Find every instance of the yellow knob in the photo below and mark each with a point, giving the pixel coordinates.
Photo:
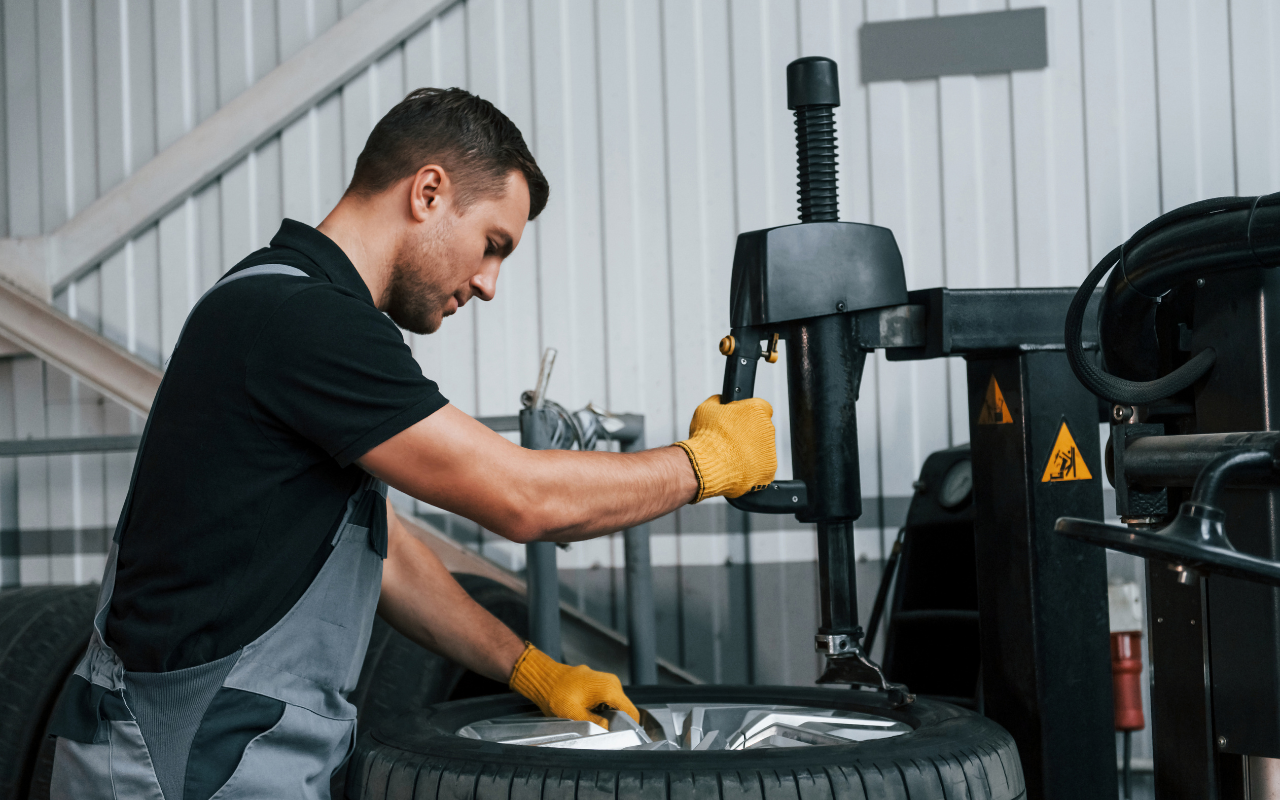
(772, 355)
(726, 346)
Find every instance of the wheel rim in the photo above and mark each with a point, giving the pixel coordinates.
(692, 726)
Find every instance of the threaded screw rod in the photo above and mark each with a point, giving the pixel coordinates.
(816, 163)
(813, 92)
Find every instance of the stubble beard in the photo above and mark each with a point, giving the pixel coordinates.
(415, 298)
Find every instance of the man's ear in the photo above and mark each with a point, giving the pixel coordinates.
(429, 190)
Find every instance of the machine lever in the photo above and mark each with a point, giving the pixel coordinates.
(742, 354)
(779, 497)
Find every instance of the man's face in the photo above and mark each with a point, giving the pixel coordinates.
(455, 255)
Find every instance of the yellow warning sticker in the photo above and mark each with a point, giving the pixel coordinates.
(994, 411)
(1065, 461)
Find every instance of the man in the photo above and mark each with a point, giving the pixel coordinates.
(256, 541)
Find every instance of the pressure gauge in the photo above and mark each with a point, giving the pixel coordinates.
(957, 485)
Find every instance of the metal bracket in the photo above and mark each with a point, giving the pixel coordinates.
(848, 663)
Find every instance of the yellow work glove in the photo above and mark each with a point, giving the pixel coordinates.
(568, 692)
(731, 447)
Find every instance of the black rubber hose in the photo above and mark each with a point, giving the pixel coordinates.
(1109, 387)
(1119, 390)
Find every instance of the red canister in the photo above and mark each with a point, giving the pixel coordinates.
(1126, 678)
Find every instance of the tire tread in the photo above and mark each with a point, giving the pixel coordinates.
(964, 758)
(43, 633)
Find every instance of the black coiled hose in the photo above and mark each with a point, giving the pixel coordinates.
(816, 163)
(1126, 392)
(1109, 387)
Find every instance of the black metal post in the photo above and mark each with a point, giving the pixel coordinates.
(540, 557)
(1042, 598)
(837, 582)
(1181, 705)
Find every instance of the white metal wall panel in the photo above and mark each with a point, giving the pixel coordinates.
(662, 127)
(94, 89)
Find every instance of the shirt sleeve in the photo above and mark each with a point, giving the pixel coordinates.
(334, 370)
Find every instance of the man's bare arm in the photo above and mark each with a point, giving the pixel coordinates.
(423, 601)
(456, 463)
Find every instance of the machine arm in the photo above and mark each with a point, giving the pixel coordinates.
(1196, 540)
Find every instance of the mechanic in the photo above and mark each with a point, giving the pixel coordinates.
(256, 542)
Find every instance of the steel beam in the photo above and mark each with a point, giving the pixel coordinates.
(642, 625)
(73, 444)
(42, 330)
(540, 557)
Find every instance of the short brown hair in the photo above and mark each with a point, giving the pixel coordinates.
(473, 141)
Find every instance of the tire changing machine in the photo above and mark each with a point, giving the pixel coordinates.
(1195, 404)
(835, 291)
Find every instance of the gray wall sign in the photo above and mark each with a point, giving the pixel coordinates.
(962, 44)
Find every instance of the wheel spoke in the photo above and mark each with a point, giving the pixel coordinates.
(687, 726)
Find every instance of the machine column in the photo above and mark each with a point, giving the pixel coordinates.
(1042, 597)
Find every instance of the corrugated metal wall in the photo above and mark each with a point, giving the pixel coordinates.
(662, 127)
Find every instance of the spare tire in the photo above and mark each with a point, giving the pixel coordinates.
(44, 631)
(949, 752)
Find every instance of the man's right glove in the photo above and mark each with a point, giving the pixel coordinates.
(731, 447)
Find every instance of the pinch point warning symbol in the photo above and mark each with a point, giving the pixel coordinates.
(994, 411)
(1065, 461)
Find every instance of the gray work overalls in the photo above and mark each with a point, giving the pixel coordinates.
(130, 735)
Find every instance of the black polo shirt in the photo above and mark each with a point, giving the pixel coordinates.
(278, 385)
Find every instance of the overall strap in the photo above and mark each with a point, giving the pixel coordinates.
(108, 579)
(261, 269)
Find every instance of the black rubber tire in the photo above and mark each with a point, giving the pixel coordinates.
(44, 631)
(399, 674)
(952, 753)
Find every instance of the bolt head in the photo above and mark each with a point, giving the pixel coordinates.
(840, 306)
(1199, 283)
(1222, 741)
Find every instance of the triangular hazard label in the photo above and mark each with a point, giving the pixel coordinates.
(1065, 461)
(994, 411)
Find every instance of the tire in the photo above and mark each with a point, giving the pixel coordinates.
(44, 631)
(399, 674)
(952, 753)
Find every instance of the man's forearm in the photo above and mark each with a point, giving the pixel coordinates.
(421, 600)
(453, 462)
(578, 495)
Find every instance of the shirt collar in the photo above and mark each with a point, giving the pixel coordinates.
(324, 253)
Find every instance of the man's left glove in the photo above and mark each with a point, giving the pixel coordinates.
(568, 692)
